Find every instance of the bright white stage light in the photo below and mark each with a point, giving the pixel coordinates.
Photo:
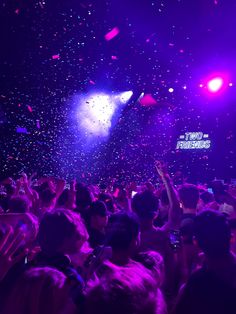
(215, 84)
(96, 111)
(125, 96)
(95, 114)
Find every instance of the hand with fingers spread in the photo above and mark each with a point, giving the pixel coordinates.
(10, 243)
(175, 212)
(161, 168)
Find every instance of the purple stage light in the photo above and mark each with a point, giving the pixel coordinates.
(215, 84)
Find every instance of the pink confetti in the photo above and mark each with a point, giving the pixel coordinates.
(19, 105)
(114, 58)
(147, 100)
(54, 57)
(17, 11)
(171, 44)
(38, 124)
(92, 82)
(149, 39)
(112, 34)
(30, 108)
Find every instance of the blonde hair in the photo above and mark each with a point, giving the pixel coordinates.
(124, 290)
(40, 291)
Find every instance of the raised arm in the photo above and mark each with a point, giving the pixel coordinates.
(175, 212)
(72, 194)
(60, 185)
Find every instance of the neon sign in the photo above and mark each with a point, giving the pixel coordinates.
(193, 140)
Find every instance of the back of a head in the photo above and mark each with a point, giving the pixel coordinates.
(212, 233)
(58, 226)
(123, 290)
(18, 204)
(83, 196)
(47, 196)
(63, 198)
(207, 197)
(145, 205)
(98, 208)
(122, 229)
(154, 262)
(218, 187)
(10, 189)
(108, 200)
(40, 291)
(189, 196)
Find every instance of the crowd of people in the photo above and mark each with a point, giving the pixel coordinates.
(117, 248)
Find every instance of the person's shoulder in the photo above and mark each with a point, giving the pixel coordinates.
(201, 278)
(155, 232)
(159, 230)
(162, 232)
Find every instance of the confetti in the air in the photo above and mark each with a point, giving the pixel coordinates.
(65, 52)
(55, 57)
(147, 100)
(112, 34)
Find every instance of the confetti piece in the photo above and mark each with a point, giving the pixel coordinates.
(147, 100)
(149, 38)
(92, 82)
(112, 34)
(17, 11)
(55, 57)
(21, 130)
(38, 124)
(114, 58)
(30, 108)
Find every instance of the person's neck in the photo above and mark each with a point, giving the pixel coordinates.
(120, 258)
(146, 225)
(187, 210)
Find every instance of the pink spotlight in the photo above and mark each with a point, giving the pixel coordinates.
(215, 84)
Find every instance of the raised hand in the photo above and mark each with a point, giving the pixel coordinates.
(161, 168)
(9, 245)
